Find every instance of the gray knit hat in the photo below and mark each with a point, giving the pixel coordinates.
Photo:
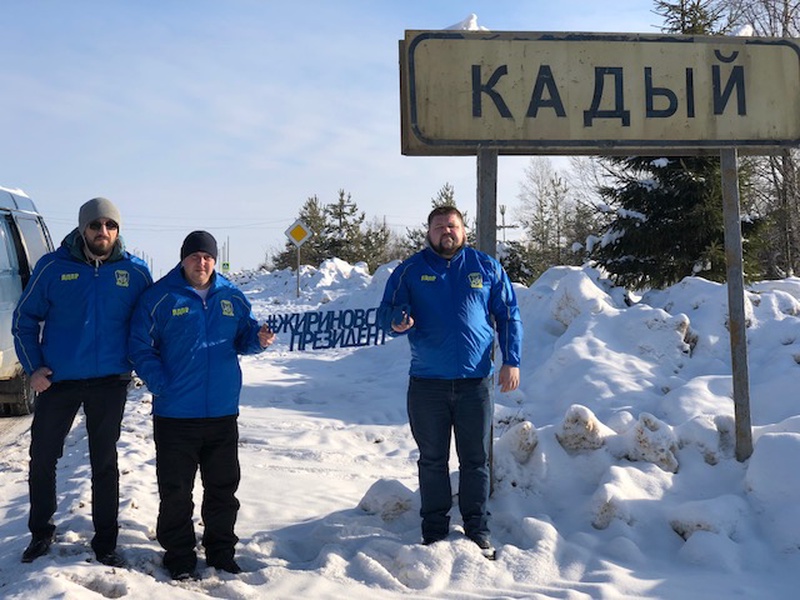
(97, 208)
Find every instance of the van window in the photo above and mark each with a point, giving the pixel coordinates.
(8, 257)
(35, 238)
(10, 291)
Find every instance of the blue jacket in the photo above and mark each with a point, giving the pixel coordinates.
(186, 350)
(86, 310)
(452, 302)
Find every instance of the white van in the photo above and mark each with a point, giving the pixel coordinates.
(24, 239)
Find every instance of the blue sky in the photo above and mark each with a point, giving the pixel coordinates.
(227, 115)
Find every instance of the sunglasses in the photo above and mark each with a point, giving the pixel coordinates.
(97, 225)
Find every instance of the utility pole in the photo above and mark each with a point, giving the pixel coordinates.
(503, 225)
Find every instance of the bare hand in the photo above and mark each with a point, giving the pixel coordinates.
(40, 379)
(509, 378)
(406, 323)
(265, 336)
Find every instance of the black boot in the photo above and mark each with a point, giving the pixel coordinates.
(39, 546)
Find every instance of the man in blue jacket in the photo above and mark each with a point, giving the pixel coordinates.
(84, 294)
(444, 298)
(187, 332)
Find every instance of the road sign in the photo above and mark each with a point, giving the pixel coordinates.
(298, 232)
(594, 93)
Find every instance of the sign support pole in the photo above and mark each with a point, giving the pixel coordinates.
(298, 271)
(298, 233)
(486, 234)
(736, 312)
(486, 222)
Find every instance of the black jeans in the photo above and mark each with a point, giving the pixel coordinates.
(103, 401)
(183, 445)
(435, 408)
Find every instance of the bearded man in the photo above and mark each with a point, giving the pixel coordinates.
(445, 299)
(71, 335)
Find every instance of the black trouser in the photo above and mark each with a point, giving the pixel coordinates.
(183, 445)
(103, 401)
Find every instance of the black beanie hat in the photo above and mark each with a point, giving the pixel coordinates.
(199, 241)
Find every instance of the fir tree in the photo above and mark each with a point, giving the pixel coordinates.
(376, 245)
(518, 261)
(668, 222)
(343, 233)
(693, 17)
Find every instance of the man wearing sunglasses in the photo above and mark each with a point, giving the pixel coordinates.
(70, 332)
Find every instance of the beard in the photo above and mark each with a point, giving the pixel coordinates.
(444, 247)
(99, 249)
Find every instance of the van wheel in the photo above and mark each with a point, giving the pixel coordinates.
(17, 396)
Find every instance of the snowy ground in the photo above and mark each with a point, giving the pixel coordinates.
(615, 474)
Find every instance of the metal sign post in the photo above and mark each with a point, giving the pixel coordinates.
(486, 230)
(736, 313)
(225, 255)
(298, 233)
(486, 234)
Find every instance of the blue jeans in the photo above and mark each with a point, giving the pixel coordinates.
(435, 408)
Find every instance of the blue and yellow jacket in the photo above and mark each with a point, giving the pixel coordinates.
(86, 310)
(186, 349)
(452, 303)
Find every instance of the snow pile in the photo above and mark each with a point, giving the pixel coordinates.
(614, 464)
(470, 23)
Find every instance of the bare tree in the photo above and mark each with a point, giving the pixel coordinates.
(777, 176)
(769, 18)
(549, 215)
